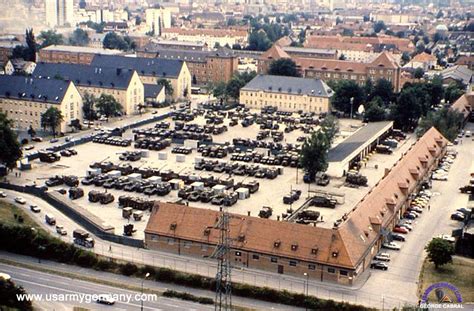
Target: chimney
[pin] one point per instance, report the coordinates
(119, 71)
(248, 213)
(386, 172)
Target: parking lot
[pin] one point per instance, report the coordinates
(270, 193)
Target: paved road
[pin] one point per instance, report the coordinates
(46, 284)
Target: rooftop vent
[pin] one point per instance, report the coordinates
(314, 251)
(294, 247)
(173, 226)
(277, 243)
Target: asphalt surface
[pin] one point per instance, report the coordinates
(45, 284)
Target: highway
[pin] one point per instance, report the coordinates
(45, 284)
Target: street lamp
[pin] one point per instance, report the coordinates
(306, 288)
(352, 105)
(146, 275)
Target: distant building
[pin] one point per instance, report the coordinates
(6, 50)
(59, 12)
(287, 94)
(123, 84)
(19, 66)
(211, 37)
(157, 19)
(457, 73)
(67, 54)
(154, 93)
(25, 99)
(204, 66)
(151, 70)
(423, 60)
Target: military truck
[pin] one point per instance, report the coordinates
(323, 202)
(356, 179)
(76, 193)
(94, 196)
(467, 189)
(48, 156)
(106, 198)
(82, 238)
(128, 230)
(50, 220)
(383, 149)
(71, 181)
(265, 212)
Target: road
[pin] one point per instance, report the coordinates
(45, 284)
(383, 289)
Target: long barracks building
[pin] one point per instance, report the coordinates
(339, 254)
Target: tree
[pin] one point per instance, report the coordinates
(374, 110)
(236, 46)
(114, 41)
(445, 120)
(379, 26)
(330, 127)
(88, 110)
(32, 47)
(20, 51)
(453, 92)
(238, 81)
(419, 73)
(50, 37)
(313, 156)
(258, 41)
(405, 57)
(194, 80)
(79, 38)
(440, 252)
(9, 293)
(167, 85)
(383, 89)
(219, 90)
(138, 20)
(283, 67)
(407, 110)
(31, 131)
(51, 118)
(344, 90)
(9, 145)
(108, 105)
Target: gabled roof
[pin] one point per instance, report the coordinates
(464, 104)
(459, 73)
(85, 75)
(275, 52)
(163, 68)
(152, 90)
(289, 85)
(423, 58)
(384, 60)
(39, 90)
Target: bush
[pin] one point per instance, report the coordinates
(128, 269)
(106, 265)
(189, 297)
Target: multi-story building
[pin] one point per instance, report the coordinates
(6, 50)
(123, 84)
(212, 37)
(24, 99)
(204, 66)
(342, 253)
(151, 70)
(59, 12)
(287, 94)
(423, 60)
(157, 19)
(67, 54)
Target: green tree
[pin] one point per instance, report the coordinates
(219, 90)
(51, 118)
(344, 90)
(379, 26)
(419, 73)
(50, 37)
(107, 105)
(9, 145)
(407, 110)
(383, 89)
(374, 110)
(32, 46)
(440, 252)
(9, 296)
(445, 120)
(20, 51)
(405, 57)
(453, 92)
(283, 67)
(79, 38)
(31, 131)
(238, 81)
(88, 104)
(114, 41)
(258, 41)
(330, 127)
(167, 85)
(313, 155)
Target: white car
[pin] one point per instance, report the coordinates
(405, 225)
(105, 299)
(382, 257)
(20, 200)
(446, 237)
(391, 245)
(3, 194)
(439, 177)
(427, 193)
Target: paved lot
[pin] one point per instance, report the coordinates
(270, 194)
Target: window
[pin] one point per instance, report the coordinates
(343, 272)
(255, 257)
(292, 263)
(311, 267)
(171, 241)
(154, 238)
(274, 259)
(238, 254)
(188, 244)
(331, 270)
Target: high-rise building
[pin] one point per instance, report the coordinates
(59, 12)
(157, 19)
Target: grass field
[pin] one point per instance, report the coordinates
(460, 273)
(8, 212)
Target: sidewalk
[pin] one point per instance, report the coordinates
(135, 282)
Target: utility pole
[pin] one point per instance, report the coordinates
(352, 105)
(222, 254)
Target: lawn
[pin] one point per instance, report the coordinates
(460, 273)
(8, 212)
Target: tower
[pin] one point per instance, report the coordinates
(222, 254)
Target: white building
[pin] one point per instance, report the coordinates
(158, 18)
(59, 12)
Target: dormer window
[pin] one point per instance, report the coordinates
(173, 226)
(277, 243)
(314, 251)
(294, 247)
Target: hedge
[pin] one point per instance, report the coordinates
(187, 296)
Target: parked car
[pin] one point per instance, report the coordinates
(379, 265)
(391, 245)
(60, 229)
(20, 200)
(105, 299)
(3, 194)
(37, 139)
(408, 215)
(35, 208)
(457, 216)
(398, 237)
(446, 237)
(400, 230)
(406, 226)
(382, 257)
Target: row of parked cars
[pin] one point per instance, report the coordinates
(237, 169)
(441, 173)
(107, 139)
